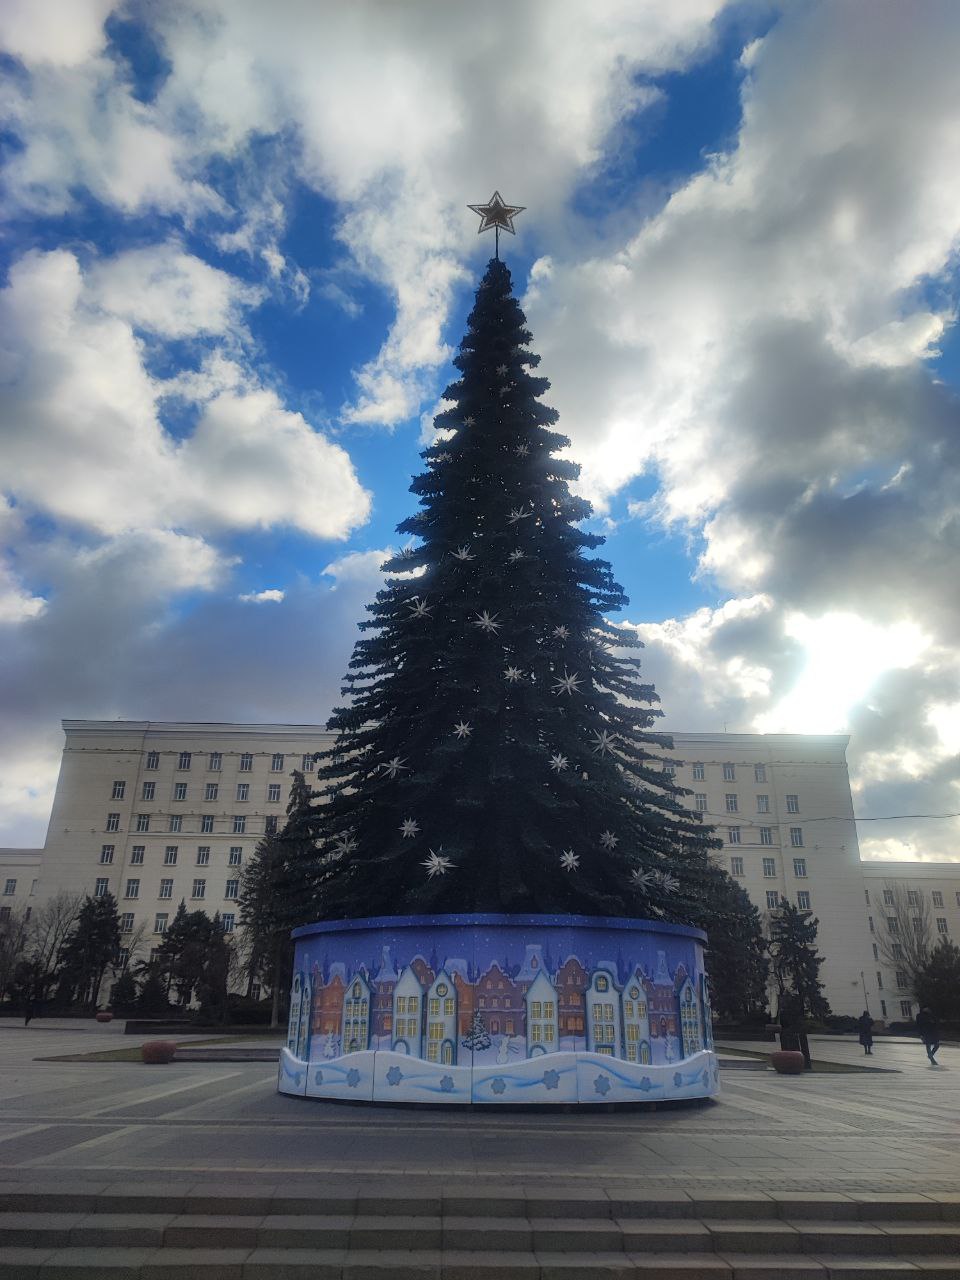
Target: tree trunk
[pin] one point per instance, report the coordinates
(275, 1004)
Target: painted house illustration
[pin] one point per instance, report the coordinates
(663, 1001)
(408, 1013)
(442, 1020)
(636, 1019)
(603, 1014)
(689, 1013)
(500, 1002)
(542, 1016)
(384, 982)
(571, 986)
(355, 1034)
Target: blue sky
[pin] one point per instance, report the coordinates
(237, 259)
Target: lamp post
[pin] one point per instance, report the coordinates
(863, 983)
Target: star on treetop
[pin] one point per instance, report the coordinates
(495, 213)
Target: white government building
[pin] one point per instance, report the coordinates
(157, 812)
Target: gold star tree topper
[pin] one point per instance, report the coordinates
(495, 213)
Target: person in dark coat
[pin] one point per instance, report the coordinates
(865, 1026)
(928, 1029)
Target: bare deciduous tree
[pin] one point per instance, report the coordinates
(904, 935)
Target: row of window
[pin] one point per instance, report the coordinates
(729, 772)
(913, 897)
(732, 802)
(162, 919)
(170, 855)
(199, 892)
(770, 867)
(215, 761)
(735, 836)
(893, 926)
(141, 822)
(211, 791)
(775, 898)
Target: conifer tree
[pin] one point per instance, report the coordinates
(496, 752)
(796, 962)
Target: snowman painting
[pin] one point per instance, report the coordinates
(331, 1048)
(505, 1048)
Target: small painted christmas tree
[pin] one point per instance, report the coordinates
(496, 752)
(477, 1037)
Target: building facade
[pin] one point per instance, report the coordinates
(159, 813)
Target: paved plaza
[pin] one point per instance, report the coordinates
(100, 1123)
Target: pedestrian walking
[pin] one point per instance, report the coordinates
(865, 1026)
(928, 1029)
(29, 1009)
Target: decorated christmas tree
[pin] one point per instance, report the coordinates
(496, 752)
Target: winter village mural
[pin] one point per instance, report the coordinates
(437, 1001)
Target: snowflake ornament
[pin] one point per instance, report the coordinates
(518, 514)
(568, 684)
(419, 608)
(436, 864)
(409, 828)
(561, 633)
(501, 369)
(344, 843)
(559, 762)
(604, 741)
(522, 450)
(642, 879)
(488, 622)
(569, 860)
(405, 553)
(444, 457)
(515, 556)
(462, 730)
(667, 882)
(393, 767)
(463, 554)
(609, 840)
(468, 422)
(512, 675)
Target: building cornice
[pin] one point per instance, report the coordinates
(170, 728)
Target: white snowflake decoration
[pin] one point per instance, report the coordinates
(642, 879)
(604, 741)
(609, 840)
(561, 633)
(518, 513)
(463, 554)
(516, 556)
(462, 729)
(468, 422)
(501, 369)
(488, 622)
(444, 457)
(667, 882)
(393, 767)
(419, 608)
(569, 860)
(559, 762)
(522, 450)
(436, 864)
(405, 553)
(569, 684)
(344, 843)
(409, 828)
(512, 675)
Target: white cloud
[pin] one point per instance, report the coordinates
(272, 595)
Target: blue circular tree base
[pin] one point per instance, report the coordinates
(498, 1009)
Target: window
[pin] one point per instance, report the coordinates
(133, 889)
(897, 951)
(199, 889)
(33, 889)
(769, 867)
(893, 924)
(100, 888)
(232, 891)
(766, 835)
(211, 791)
(270, 826)
(958, 897)
(917, 924)
(866, 894)
(179, 791)
(876, 952)
(203, 855)
(106, 853)
(941, 924)
(10, 887)
(906, 1009)
(803, 899)
(243, 790)
(731, 799)
(143, 822)
(160, 922)
(901, 979)
(763, 804)
(227, 920)
(700, 800)
(873, 927)
(879, 980)
(759, 773)
(206, 823)
(307, 763)
(246, 762)
(736, 866)
(273, 792)
(136, 855)
(800, 868)
(183, 761)
(239, 824)
(149, 791)
(888, 897)
(937, 898)
(670, 770)
(276, 764)
(793, 804)
(883, 1008)
(729, 773)
(215, 763)
(170, 855)
(796, 837)
(118, 790)
(126, 922)
(153, 760)
(236, 855)
(698, 774)
(773, 899)
(913, 898)
(176, 822)
(166, 889)
(113, 822)
(733, 835)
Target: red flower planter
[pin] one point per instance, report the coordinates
(787, 1062)
(103, 1016)
(158, 1051)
